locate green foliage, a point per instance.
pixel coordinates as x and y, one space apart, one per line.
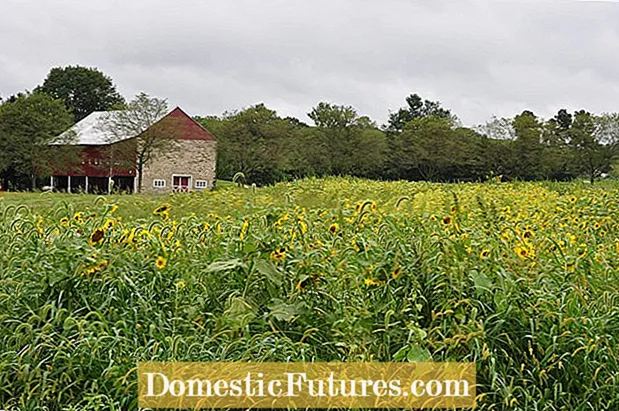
352 145
259 276
29 123
431 148
82 89
417 108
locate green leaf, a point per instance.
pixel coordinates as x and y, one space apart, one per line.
283 311
417 353
225 265
481 281
269 271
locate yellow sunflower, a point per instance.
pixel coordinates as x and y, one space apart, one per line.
160 262
333 228
97 236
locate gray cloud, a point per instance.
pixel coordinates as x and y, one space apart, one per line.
479 58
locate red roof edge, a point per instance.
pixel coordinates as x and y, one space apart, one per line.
194 130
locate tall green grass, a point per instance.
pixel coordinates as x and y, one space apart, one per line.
316 270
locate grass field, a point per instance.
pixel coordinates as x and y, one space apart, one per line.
521 278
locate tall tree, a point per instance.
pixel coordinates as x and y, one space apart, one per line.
82 89
593 141
417 108
30 124
527 146
142 122
352 144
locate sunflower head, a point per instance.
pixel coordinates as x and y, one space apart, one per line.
163 210
160 262
97 236
278 255
333 228
521 252
447 220
485 253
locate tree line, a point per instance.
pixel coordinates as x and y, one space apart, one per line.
420 141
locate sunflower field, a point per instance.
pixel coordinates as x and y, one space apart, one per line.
521 278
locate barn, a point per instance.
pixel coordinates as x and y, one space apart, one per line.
105 165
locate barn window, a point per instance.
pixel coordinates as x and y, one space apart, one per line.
201 184
159 183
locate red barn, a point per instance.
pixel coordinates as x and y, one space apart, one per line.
109 163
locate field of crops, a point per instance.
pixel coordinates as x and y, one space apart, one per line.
521 278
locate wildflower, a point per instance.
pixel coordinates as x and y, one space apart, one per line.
302 284
521 252
484 253
95 268
180 286
447 220
244 228
78 217
572 199
40 225
278 255
160 262
333 228
97 236
527 234
396 273
163 211
369 282
109 223
303 226
373 206
64 221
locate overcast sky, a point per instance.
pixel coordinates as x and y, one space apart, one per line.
479 58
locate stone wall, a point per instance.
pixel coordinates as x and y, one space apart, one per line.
193 158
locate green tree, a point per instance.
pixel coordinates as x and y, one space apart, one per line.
430 148
351 144
30 125
256 142
82 89
140 121
417 108
593 141
528 149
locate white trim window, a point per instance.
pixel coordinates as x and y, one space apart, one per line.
201 184
159 183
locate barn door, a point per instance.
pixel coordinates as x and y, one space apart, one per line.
181 183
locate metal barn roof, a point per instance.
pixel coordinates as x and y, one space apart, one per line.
90 132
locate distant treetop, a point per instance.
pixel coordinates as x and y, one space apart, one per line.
82 89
